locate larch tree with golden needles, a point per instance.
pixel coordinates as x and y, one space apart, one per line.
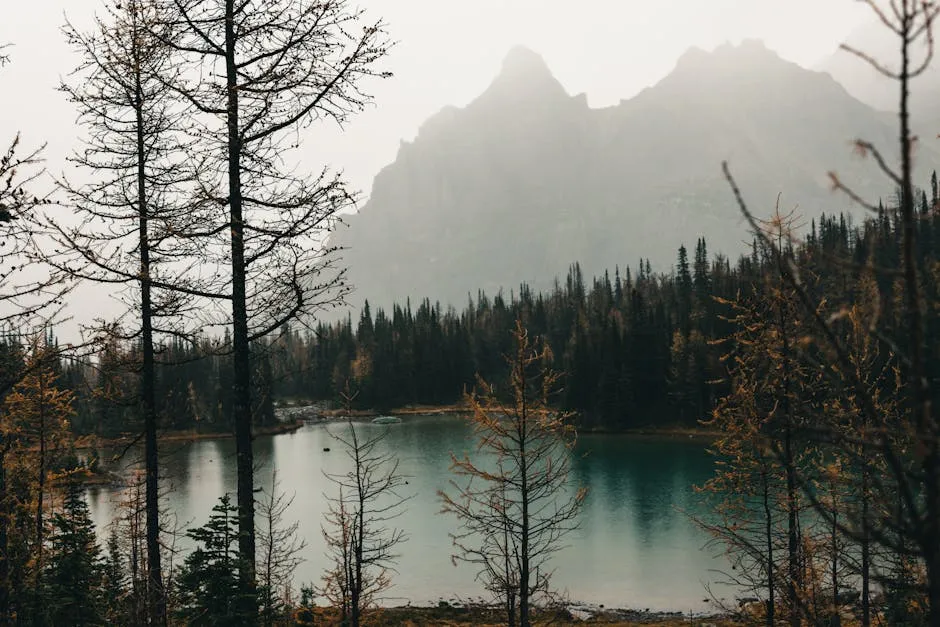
860 471
908 449
762 451
513 498
36 417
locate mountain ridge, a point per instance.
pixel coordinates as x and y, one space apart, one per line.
526 178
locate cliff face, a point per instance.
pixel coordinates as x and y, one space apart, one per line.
527 179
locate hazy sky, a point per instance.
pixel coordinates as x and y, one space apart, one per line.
447 53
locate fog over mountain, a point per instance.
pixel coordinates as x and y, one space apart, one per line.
527 179
881 92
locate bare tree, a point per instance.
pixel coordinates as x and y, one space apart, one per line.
279 555
359 528
516 504
29 296
258 73
122 233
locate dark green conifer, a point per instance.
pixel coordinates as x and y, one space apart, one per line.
75 573
208 583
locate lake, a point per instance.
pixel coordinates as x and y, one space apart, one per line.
636 547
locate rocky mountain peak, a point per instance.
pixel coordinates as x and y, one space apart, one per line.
524 74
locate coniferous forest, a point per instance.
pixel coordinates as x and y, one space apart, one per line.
637 348
809 363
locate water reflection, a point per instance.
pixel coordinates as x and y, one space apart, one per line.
634 548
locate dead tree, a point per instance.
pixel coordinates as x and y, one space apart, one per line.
359 527
125 234
279 553
257 74
516 505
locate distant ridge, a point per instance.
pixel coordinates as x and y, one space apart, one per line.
527 179
881 92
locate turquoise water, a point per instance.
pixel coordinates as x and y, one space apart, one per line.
636 546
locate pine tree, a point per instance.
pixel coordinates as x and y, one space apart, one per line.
684 292
114 583
75 574
208 585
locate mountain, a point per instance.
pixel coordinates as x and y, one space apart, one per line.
527 179
879 91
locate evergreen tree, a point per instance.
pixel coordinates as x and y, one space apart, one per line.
208 584
75 574
114 583
684 292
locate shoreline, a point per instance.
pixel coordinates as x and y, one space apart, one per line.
464 615
88 442
299 415
407 410
664 431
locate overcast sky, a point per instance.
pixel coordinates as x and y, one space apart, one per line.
447 53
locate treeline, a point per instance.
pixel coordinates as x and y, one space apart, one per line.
638 348
193 387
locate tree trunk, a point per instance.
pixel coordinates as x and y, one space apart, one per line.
510 609
769 538
267 576
834 533
866 555
358 535
135 554
524 619
40 494
509 594
241 388
4 540
920 384
156 599
793 539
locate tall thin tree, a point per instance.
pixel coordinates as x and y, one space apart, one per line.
258 74
516 505
126 213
